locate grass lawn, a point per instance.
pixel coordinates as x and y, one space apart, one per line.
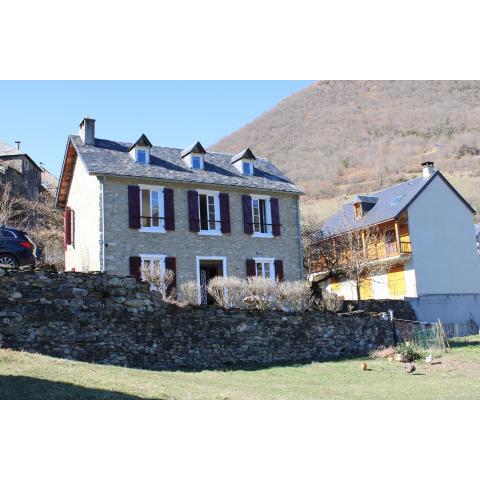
456 375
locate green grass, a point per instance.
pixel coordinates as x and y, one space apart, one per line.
457 376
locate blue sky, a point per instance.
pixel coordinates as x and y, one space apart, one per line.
171 113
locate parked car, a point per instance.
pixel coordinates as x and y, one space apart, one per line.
16 249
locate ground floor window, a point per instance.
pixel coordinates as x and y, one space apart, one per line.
264 268
153 271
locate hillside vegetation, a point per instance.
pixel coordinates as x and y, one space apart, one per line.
336 138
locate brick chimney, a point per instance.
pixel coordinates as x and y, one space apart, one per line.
428 169
87 131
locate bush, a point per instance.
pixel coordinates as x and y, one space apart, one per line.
294 296
331 302
409 349
261 293
228 291
160 280
383 353
189 292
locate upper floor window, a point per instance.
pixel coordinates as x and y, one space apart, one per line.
247 168
196 163
152 209
262 216
209 212
141 156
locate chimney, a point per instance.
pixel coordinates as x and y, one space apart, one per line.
87 131
428 169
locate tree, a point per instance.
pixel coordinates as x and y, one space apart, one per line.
161 280
8 204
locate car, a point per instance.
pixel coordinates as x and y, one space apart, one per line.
16 249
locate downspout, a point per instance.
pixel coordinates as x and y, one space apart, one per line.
299 235
104 242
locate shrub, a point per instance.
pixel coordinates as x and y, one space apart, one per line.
409 349
160 279
228 291
383 353
331 302
294 296
261 293
189 292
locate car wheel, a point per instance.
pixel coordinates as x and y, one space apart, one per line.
8 261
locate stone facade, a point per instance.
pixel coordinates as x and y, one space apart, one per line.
22 173
116 320
121 242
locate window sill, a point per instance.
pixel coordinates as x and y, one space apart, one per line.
210 232
262 235
152 229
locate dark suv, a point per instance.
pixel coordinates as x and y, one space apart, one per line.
16 249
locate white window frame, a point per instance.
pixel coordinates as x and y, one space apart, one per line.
147 155
152 257
201 161
250 165
216 203
224 271
264 260
161 208
268 212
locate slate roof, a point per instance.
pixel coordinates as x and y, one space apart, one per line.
112 158
391 202
6 150
477 229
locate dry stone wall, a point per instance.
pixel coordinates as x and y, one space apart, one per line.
116 320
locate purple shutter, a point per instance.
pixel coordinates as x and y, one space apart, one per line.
136 267
275 217
251 272
247 214
134 206
169 209
193 212
278 264
224 201
67 227
171 264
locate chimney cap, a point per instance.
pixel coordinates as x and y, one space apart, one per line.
427 164
86 118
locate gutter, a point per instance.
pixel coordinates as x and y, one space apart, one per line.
104 242
299 236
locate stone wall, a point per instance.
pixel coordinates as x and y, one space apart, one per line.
401 308
115 320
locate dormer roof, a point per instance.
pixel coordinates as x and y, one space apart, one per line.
195 148
365 199
143 141
246 154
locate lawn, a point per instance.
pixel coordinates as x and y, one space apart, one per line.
456 375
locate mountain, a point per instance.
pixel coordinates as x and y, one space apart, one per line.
336 138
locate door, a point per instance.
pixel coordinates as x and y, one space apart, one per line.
366 289
396 282
208 270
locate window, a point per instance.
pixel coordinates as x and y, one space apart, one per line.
357 210
262 217
154 263
264 268
141 156
152 211
209 212
247 168
196 163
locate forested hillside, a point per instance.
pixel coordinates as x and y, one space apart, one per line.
336 138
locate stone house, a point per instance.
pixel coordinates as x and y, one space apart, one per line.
198 213
20 171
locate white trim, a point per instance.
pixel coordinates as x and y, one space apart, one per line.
152 257
216 203
161 208
271 262
198 259
268 212
147 155
189 160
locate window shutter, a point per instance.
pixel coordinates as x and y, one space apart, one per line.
134 206
193 213
278 270
251 272
171 264
224 201
67 227
247 214
169 209
136 267
275 216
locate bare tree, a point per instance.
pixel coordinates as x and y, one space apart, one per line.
161 280
8 204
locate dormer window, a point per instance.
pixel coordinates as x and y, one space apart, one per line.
247 168
193 156
363 204
140 150
243 162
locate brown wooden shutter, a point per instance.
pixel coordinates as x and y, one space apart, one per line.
275 216
247 214
224 201
171 264
136 267
169 209
278 264
193 212
134 206
251 271
67 227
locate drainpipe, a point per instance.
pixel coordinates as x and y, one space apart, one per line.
104 242
299 235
